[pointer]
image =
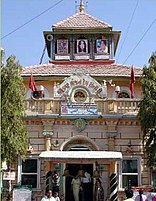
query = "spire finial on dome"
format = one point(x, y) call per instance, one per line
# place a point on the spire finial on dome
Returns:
point(81, 7)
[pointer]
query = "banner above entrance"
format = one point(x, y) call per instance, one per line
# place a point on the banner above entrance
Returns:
point(80, 79)
point(64, 156)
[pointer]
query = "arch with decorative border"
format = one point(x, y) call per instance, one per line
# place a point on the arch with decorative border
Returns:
point(77, 141)
point(72, 91)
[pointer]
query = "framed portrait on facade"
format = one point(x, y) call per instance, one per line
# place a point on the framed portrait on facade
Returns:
point(82, 46)
point(62, 46)
point(102, 46)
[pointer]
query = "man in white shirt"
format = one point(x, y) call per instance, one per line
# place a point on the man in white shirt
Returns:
point(86, 185)
point(48, 197)
point(86, 179)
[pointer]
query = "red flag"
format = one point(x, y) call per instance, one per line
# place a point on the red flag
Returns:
point(132, 82)
point(32, 84)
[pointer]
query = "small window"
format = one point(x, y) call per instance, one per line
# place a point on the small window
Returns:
point(130, 173)
point(29, 175)
point(80, 96)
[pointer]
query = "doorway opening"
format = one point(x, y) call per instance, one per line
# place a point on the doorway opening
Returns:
point(73, 171)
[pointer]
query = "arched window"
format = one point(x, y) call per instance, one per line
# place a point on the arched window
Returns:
point(123, 95)
point(80, 96)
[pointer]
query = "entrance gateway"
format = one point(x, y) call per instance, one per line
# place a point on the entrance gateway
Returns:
point(75, 160)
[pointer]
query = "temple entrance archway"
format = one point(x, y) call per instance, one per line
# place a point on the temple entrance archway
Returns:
point(79, 143)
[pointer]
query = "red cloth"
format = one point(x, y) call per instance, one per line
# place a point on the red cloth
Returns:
point(32, 84)
point(132, 82)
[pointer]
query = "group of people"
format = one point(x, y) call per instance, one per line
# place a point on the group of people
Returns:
point(52, 192)
point(82, 191)
point(80, 188)
point(139, 197)
point(51, 196)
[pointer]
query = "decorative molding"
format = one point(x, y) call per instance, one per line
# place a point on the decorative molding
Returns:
point(79, 139)
point(79, 124)
point(129, 122)
point(48, 122)
point(111, 134)
point(111, 122)
point(33, 122)
point(80, 79)
point(47, 132)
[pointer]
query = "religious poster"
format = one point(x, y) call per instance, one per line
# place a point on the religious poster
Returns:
point(62, 46)
point(102, 46)
point(82, 46)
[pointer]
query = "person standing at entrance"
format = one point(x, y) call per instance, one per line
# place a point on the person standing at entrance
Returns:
point(86, 181)
point(75, 185)
point(99, 192)
point(55, 182)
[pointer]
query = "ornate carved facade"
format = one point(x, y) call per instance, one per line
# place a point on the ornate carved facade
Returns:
point(81, 111)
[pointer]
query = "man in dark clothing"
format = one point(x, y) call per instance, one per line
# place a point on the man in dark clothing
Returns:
point(55, 182)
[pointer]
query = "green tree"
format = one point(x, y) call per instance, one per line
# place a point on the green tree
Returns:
point(147, 111)
point(14, 136)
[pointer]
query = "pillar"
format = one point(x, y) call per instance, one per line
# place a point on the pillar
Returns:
point(48, 133)
point(113, 182)
point(111, 127)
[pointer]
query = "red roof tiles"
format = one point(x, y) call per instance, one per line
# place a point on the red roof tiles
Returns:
point(81, 20)
point(115, 70)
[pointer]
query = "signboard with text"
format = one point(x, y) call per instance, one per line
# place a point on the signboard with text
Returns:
point(9, 176)
point(80, 79)
point(79, 109)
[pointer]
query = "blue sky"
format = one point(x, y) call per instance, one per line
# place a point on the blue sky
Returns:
point(133, 18)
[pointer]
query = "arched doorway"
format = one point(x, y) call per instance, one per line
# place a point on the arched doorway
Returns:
point(79, 143)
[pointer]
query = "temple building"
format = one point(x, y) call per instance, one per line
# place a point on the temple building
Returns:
point(81, 113)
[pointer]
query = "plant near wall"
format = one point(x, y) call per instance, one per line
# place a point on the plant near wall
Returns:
point(14, 136)
point(147, 111)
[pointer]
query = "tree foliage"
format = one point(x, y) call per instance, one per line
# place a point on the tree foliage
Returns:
point(147, 111)
point(14, 136)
